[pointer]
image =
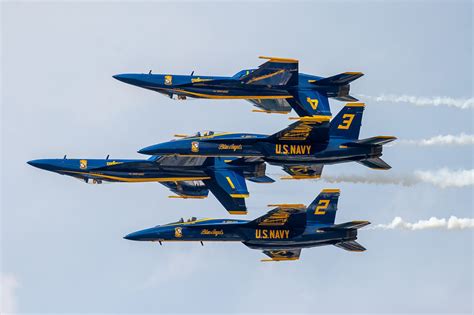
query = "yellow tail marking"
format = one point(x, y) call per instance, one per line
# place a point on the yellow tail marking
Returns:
point(237, 212)
point(347, 121)
point(278, 59)
point(331, 190)
point(231, 184)
point(355, 105)
point(322, 206)
point(239, 195)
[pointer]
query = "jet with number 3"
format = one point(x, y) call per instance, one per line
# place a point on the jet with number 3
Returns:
point(302, 149)
point(276, 86)
point(280, 234)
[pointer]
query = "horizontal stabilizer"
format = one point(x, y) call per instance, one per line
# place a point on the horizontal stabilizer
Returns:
point(346, 98)
point(351, 246)
point(378, 140)
point(375, 163)
point(261, 179)
point(339, 79)
point(346, 226)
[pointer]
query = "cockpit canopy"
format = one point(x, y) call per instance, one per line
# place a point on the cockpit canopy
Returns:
point(181, 220)
point(204, 133)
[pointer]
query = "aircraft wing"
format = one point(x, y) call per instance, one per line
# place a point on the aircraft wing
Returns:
point(282, 255)
point(314, 129)
point(276, 71)
point(277, 106)
point(303, 171)
point(282, 215)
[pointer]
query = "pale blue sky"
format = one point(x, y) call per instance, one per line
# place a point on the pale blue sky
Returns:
point(62, 240)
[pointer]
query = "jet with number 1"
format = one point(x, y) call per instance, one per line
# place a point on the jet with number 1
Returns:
point(280, 234)
point(276, 86)
point(302, 149)
point(187, 177)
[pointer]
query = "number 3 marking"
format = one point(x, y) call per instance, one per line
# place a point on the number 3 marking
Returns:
point(347, 121)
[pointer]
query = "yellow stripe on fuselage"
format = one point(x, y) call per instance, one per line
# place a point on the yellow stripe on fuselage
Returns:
point(140, 180)
point(211, 96)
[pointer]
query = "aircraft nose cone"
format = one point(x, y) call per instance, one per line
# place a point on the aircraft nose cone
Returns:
point(148, 150)
point(135, 79)
point(143, 235)
point(42, 164)
point(168, 148)
point(122, 77)
point(132, 237)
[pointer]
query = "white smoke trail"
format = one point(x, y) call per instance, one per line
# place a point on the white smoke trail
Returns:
point(461, 139)
point(447, 178)
point(443, 178)
point(462, 103)
point(453, 223)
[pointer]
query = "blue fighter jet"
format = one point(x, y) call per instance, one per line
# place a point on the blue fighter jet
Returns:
point(275, 87)
point(280, 234)
point(302, 149)
point(188, 177)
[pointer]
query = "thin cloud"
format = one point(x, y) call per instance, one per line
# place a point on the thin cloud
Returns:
point(461, 139)
point(453, 223)
point(8, 299)
point(442, 178)
point(462, 103)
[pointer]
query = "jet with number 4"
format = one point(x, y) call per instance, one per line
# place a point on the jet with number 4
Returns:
point(302, 149)
point(276, 86)
point(187, 177)
point(280, 234)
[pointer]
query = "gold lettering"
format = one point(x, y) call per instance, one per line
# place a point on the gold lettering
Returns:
point(322, 206)
point(264, 233)
point(346, 122)
point(212, 232)
point(285, 149)
point(278, 148)
point(233, 147)
point(258, 233)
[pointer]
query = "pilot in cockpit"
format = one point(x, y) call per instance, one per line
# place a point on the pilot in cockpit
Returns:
point(204, 133)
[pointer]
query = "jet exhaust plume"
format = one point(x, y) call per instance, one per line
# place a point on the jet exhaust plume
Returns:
point(453, 223)
point(461, 139)
point(443, 178)
point(462, 103)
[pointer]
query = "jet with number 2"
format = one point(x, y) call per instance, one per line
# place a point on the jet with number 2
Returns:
point(302, 149)
point(280, 234)
point(276, 86)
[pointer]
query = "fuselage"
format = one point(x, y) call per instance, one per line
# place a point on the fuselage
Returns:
point(155, 169)
point(275, 152)
point(256, 237)
point(217, 87)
